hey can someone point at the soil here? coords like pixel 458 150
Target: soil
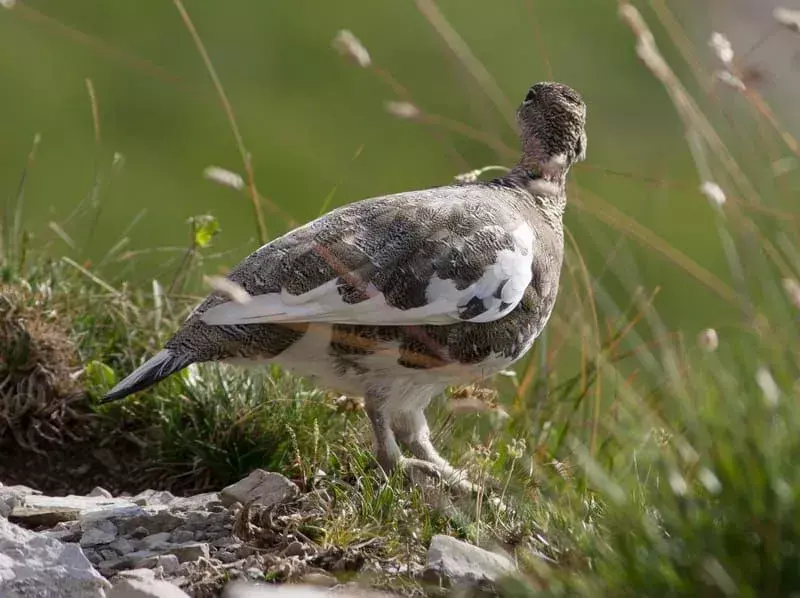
pixel 77 468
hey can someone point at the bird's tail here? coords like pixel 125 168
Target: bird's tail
pixel 162 364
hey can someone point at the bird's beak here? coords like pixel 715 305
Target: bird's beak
pixel 582 154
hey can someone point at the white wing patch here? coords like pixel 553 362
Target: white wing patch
pixel 503 284
pixel 500 289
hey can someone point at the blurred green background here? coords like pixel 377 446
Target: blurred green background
pixel 305 111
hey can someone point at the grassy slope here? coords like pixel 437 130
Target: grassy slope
pixel 639 462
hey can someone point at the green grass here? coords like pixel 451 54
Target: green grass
pixel 638 462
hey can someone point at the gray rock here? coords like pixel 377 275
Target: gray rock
pixel 141 583
pixel 149 558
pixel 100 492
pixel 155 540
pixel 97 532
pixel 154 519
pixel 181 536
pixel 260 488
pixel 137 559
pixel 190 551
pixel 138 533
pixel 34 510
pixel 122 546
pixel 169 563
pixel 154 497
pixel 148 562
pixel 34 565
pixel 453 563
pixel 226 557
pixel 117 514
pixel 107 554
pixel 196 502
pixel 295 549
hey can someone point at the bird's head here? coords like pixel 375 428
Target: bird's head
pixel 551 120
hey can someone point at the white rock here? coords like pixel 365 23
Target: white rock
pixel 100 492
pixel 453 563
pixel 247 589
pixel 32 564
pixel 141 583
pixel 65 531
pixel 243 589
pixel 10 495
pixel 98 531
pixel 260 488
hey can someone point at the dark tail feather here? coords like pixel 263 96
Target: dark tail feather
pixel 162 364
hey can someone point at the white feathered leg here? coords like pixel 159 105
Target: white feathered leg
pixel 386 449
pixel 384 443
pixel 397 412
pixel 411 429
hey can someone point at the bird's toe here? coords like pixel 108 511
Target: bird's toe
pixel 454 479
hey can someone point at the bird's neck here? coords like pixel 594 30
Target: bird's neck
pixel 546 185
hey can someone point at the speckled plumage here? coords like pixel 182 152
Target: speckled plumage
pixel 397 297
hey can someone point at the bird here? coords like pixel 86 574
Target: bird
pixel 397 297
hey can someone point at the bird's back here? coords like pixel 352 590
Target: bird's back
pixel 395 245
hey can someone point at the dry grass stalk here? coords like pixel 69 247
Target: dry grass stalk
pixel 462 51
pixel 224 177
pixel 695 122
pixel 247 159
pixel 349 45
pixel 227 287
pixel 404 110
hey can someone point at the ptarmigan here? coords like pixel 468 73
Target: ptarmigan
pixel 397 297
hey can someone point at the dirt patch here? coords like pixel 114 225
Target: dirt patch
pixel 75 468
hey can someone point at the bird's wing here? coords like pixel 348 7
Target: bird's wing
pixel 410 259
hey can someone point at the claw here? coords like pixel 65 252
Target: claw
pixel 449 476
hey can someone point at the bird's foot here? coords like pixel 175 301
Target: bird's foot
pixel 450 477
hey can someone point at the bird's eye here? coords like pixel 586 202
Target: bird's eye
pixel 530 96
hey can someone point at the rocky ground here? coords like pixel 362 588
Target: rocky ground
pixel 247 540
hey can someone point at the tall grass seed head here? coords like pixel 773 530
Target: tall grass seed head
pixel 349 45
